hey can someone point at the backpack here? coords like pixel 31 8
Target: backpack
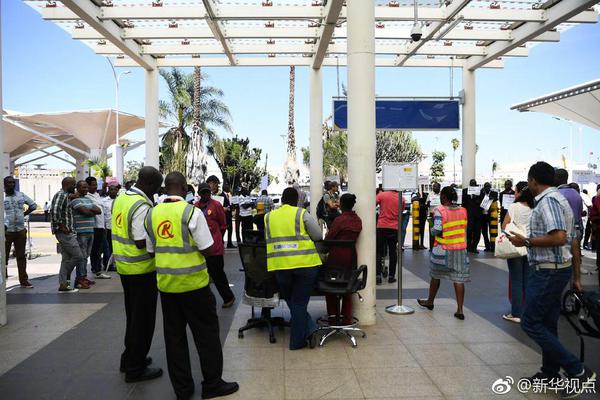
pixel 321 211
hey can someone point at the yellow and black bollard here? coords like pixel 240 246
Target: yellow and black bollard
pixel 415 225
pixel 494 214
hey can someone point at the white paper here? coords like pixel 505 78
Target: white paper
pixel 333 178
pixel 400 177
pixel 507 200
pixel 474 190
pixel 486 203
pixel 220 199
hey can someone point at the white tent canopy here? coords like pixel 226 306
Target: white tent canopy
pixel 579 104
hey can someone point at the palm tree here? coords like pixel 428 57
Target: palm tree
pixel 292 173
pixel 100 167
pixel 196 158
pixel 179 109
pixel 494 168
pixel 455 144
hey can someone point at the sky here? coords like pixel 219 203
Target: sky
pixel 45 70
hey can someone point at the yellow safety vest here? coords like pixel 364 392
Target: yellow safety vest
pixel 129 259
pixel 180 267
pixel 288 243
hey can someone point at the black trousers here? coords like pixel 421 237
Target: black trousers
pixel 473 232
pixel 229 220
pixel 97 247
pixel 485 230
pixel 387 238
pixel 216 270
pixel 259 221
pixel 198 310
pixel 140 310
pixel 422 222
pixel 247 225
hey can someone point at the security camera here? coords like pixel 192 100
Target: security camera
pixel 416 33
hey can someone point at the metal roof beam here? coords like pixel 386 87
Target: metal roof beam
pixel 217 29
pixel 299 61
pixel 88 12
pixel 332 13
pixel 556 15
pixel 451 12
pixel 311 13
pixel 307 49
pixel 88 33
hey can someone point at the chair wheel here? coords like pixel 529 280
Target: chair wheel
pixel 354 346
pixel 364 335
pixel 272 339
pixel 240 335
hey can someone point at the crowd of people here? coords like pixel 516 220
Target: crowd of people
pixel 171 239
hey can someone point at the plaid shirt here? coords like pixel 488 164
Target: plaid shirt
pixel 61 212
pixel 552 212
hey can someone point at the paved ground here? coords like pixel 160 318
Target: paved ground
pixel 68 346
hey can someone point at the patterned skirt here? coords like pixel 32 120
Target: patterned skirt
pixel 450 264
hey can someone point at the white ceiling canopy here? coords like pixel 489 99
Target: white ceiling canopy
pixel 456 33
pixel 579 104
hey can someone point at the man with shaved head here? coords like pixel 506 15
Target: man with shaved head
pixel 138 273
pixel 180 238
pixel 63 227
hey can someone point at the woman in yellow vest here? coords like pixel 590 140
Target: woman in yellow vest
pixel 449 255
pixel 290 233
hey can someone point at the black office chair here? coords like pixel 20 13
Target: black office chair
pixel 341 280
pixel 260 289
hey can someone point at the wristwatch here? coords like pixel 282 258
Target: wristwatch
pixel 527 243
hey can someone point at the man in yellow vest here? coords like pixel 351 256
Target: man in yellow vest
pixel 138 275
pixel 180 238
pixel 290 233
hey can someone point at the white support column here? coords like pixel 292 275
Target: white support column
pixel 6 165
pixel 152 149
pixel 316 138
pixel 118 162
pixel 361 139
pixel 469 150
pixel 3 318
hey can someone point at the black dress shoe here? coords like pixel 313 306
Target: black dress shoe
pixel 460 316
pixel 224 389
pixel 312 339
pixel 423 303
pixel 148 374
pixel 391 279
pixel 147 362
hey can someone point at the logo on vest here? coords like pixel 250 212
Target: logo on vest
pixel 165 230
pixel 119 220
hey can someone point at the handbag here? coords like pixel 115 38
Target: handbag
pixel 504 248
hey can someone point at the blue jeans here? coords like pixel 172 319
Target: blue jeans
pixel 518 269
pixel 540 319
pixel 295 286
pixel 85 240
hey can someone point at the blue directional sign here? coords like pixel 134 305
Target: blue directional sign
pixel 406 114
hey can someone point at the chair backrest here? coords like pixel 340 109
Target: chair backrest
pixel 259 281
pixel 350 277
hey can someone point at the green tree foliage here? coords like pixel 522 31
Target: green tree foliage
pixel 132 170
pixel 237 161
pixel 179 110
pixel 392 146
pixel 437 167
pixel 100 167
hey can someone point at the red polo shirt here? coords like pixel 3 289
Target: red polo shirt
pixel 388 209
pixel 215 217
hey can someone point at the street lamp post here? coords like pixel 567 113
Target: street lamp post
pixel 118 154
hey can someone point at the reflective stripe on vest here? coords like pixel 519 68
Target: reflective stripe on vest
pixel 288 245
pixel 454 228
pixel 180 266
pixel 129 259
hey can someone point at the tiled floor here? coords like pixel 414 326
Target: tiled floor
pixel 67 346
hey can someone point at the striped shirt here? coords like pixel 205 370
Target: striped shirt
pixel 83 223
pixel 61 212
pixel 552 212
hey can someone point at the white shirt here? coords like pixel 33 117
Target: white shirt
pixel 519 215
pixel 107 203
pixel 138 231
pixel 198 228
pixel 241 200
pixel 95 197
pixel 434 202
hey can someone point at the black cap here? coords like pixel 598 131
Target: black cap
pixel 213 178
pixel 203 187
